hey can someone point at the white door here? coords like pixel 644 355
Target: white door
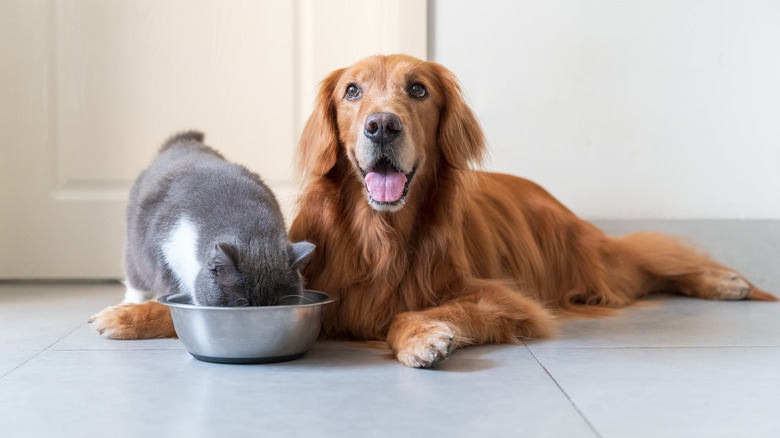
pixel 89 89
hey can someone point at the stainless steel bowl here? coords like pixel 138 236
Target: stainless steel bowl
pixel 248 334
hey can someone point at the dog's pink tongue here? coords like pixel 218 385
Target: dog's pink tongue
pixel 385 187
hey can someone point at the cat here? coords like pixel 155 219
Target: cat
pixel 202 226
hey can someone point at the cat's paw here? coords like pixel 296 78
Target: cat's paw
pixel 420 343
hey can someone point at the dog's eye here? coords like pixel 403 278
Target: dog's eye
pixel 353 92
pixel 418 90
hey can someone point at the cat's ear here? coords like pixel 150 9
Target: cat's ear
pixel 301 253
pixel 223 265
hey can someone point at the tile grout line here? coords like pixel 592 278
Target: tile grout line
pixel 21 364
pixel 39 353
pixel 574 405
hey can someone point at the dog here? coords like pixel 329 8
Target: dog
pixel 431 255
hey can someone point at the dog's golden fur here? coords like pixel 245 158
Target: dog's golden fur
pixel 465 257
pixel 471 257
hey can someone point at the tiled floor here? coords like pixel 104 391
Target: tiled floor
pixel 679 368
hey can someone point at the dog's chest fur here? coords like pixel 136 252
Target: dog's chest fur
pixel 378 272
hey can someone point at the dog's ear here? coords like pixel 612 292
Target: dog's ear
pixel 461 139
pixel 319 144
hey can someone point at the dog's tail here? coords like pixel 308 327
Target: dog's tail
pixel 183 137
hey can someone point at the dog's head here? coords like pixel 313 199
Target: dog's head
pixel 396 120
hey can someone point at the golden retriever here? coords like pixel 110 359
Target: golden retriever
pixel 431 255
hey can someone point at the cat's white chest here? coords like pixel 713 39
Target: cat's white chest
pixel 180 251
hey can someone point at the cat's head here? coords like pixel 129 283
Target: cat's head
pixel 253 274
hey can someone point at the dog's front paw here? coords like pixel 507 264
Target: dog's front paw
pixel 113 322
pixel 419 343
pixel 134 321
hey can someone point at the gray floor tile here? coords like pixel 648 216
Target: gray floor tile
pixel 674 321
pixel 10 359
pixel 672 392
pixel 335 390
pixel 33 317
pixel 86 338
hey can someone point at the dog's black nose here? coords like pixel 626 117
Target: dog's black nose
pixel 383 128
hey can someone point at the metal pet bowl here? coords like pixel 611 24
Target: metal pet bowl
pixel 248 334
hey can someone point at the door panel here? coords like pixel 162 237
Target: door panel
pixel 90 89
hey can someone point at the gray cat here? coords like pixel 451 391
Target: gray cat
pixel 199 225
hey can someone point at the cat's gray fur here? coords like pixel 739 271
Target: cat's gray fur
pixel 243 254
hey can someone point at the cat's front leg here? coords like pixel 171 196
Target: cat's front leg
pixel 134 321
pixel 136 296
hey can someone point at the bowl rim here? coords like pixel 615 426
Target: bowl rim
pixel 165 300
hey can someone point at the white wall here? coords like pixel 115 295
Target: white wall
pixel 626 109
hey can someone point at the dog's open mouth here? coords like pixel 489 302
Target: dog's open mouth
pixel 386 184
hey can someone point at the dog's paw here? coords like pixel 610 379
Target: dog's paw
pixel 113 322
pixel 730 286
pixel 422 344
pixel 134 321
pixel 722 284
